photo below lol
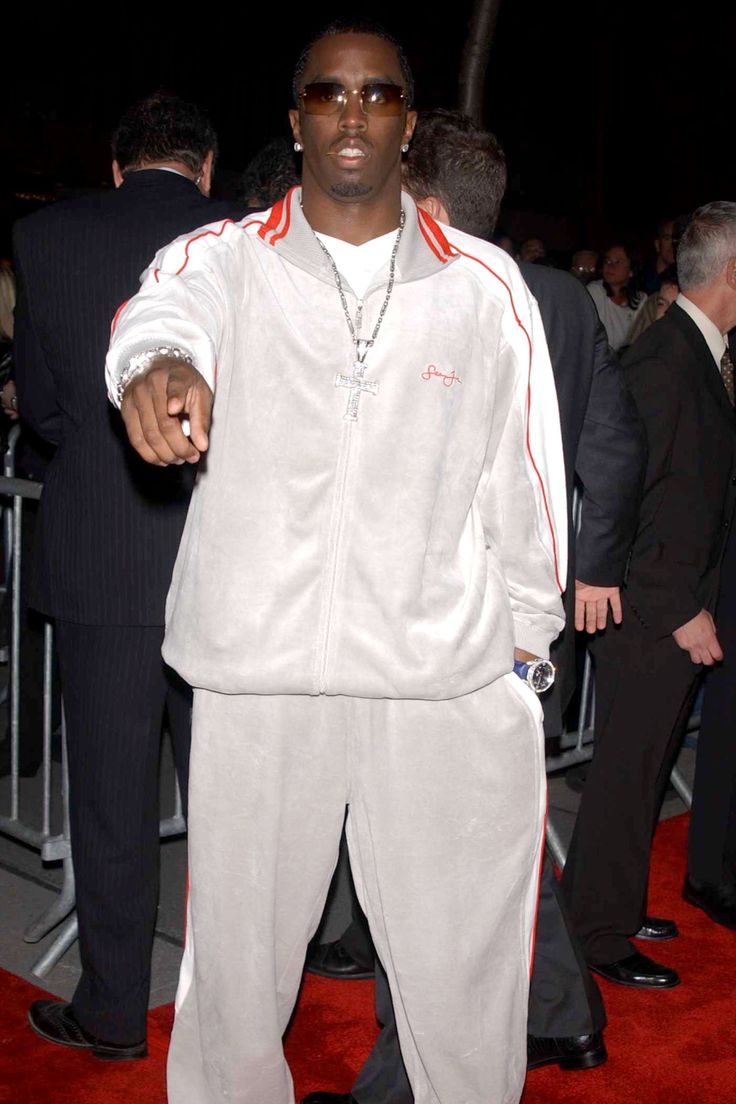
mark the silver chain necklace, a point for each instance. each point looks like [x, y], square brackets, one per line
[357, 383]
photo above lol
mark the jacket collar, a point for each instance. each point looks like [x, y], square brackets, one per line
[158, 179]
[423, 250]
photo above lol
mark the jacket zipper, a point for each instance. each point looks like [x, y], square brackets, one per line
[336, 529]
[335, 542]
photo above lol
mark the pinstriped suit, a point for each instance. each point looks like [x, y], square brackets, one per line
[109, 529]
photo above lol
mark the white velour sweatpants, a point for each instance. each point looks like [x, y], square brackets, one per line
[445, 823]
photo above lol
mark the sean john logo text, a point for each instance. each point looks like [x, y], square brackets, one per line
[447, 381]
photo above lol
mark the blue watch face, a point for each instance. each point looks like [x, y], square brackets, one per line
[541, 676]
[538, 675]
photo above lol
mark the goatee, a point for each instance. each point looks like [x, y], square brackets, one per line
[349, 189]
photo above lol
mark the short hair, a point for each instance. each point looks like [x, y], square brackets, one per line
[269, 175]
[460, 163]
[163, 127]
[706, 244]
[355, 26]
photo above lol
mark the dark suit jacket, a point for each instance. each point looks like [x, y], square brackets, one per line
[603, 445]
[689, 489]
[110, 524]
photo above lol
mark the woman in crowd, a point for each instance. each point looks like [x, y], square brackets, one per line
[616, 296]
[657, 305]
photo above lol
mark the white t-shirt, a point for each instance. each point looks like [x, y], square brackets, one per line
[617, 320]
[358, 264]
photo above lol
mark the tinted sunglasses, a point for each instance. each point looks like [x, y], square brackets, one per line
[376, 98]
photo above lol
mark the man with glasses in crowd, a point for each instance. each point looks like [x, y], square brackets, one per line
[377, 538]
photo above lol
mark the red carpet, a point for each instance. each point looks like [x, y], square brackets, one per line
[674, 1047]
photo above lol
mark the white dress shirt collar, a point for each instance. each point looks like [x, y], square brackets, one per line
[715, 340]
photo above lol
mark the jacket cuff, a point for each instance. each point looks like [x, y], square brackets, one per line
[530, 638]
[661, 622]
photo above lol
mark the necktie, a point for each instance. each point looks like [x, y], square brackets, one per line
[727, 374]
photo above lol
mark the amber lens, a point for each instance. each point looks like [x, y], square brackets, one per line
[322, 97]
[382, 99]
[328, 97]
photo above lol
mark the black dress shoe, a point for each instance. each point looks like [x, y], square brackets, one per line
[574, 1053]
[717, 902]
[655, 928]
[639, 971]
[329, 1098]
[55, 1021]
[333, 960]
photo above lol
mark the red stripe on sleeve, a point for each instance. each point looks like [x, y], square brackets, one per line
[524, 330]
[204, 234]
[117, 314]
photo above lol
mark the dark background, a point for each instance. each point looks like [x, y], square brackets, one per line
[612, 116]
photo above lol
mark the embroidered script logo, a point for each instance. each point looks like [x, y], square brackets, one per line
[447, 381]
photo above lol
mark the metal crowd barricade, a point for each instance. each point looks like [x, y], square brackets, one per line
[577, 745]
[52, 845]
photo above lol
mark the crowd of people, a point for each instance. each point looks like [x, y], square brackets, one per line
[628, 294]
[374, 584]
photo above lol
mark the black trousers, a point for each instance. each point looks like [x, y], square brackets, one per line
[712, 840]
[116, 688]
[644, 693]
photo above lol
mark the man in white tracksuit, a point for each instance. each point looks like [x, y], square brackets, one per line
[377, 526]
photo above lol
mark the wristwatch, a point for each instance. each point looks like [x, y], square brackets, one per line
[538, 675]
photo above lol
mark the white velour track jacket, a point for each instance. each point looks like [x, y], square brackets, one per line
[403, 554]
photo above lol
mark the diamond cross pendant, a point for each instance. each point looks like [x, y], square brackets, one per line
[357, 385]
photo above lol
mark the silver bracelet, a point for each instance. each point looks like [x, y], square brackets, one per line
[141, 361]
